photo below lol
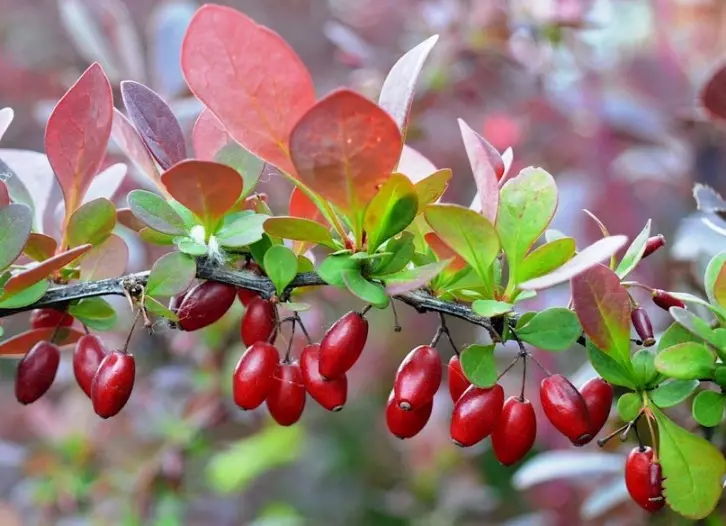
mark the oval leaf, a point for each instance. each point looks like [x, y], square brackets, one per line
[673, 392]
[32, 275]
[129, 141]
[707, 408]
[390, 211]
[686, 361]
[247, 165]
[107, 260]
[477, 362]
[490, 308]
[156, 213]
[554, 329]
[546, 258]
[16, 220]
[430, 189]
[299, 229]
[242, 230]
[171, 274]
[368, 291]
[91, 223]
[94, 313]
[280, 266]
[40, 247]
[612, 371]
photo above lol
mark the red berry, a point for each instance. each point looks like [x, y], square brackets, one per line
[458, 382]
[331, 394]
[653, 244]
[515, 432]
[565, 409]
[642, 325]
[254, 375]
[406, 424]
[50, 319]
[644, 479]
[246, 295]
[598, 396]
[112, 385]
[36, 372]
[286, 400]
[666, 300]
[205, 304]
[259, 321]
[342, 345]
[418, 378]
[87, 356]
[476, 414]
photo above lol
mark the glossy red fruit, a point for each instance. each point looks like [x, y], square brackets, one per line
[565, 409]
[286, 400]
[50, 319]
[458, 382]
[205, 304]
[246, 295]
[342, 345]
[87, 356]
[644, 479]
[418, 378]
[254, 375]
[598, 396]
[642, 325]
[476, 414]
[259, 321]
[515, 432]
[331, 394]
[36, 372]
[666, 300]
[406, 424]
[113, 383]
[653, 244]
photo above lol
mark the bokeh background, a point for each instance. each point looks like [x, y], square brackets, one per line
[601, 93]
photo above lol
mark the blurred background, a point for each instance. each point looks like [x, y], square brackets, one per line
[601, 93]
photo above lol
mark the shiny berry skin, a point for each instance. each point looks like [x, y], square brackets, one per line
[418, 378]
[642, 325]
[644, 479]
[286, 400]
[653, 244]
[246, 295]
[259, 321]
[458, 382]
[254, 375]
[342, 345]
[515, 432]
[406, 424]
[113, 383]
[36, 372]
[598, 396]
[666, 300]
[565, 409]
[87, 356]
[330, 394]
[476, 414]
[50, 319]
[205, 304]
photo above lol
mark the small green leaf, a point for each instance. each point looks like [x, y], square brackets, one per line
[490, 308]
[715, 280]
[525, 318]
[401, 250]
[479, 366]
[248, 165]
[304, 264]
[156, 213]
[610, 370]
[634, 253]
[391, 210]
[413, 278]
[156, 307]
[673, 392]
[191, 247]
[299, 229]
[155, 237]
[546, 258]
[171, 274]
[91, 223]
[686, 361]
[643, 363]
[26, 296]
[432, 187]
[259, 248]
[368, 291]
[675, 334]
[281, 266]
[15, 223]
[554, 329]
[243, 230]
[629, 406]
[707, 408]
[332, 268]
[95, 313]
[696, 325]
[719, 375]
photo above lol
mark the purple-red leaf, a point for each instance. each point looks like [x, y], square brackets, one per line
[32, 275]
[129, 140]
[21, 343]
[713, 95]
[488, 168]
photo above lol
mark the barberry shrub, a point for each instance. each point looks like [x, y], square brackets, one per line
[385, 235]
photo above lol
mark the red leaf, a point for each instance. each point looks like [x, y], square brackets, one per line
[344, 148]
[4, 195]
[40, 247]
[443, 252]
[488, 168]
[23, 342]
[713, 95]
[301, 206]
[209, 136]
[107, 260]
[249, 77]
[129, 140]
[30, 276]
[206, 188]
[77, 134]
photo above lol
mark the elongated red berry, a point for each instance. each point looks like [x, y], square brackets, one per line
[458, 382]
[515, 432]
[598, 396]
[50, 319]
[644, 479]
[286, 400]
[87, 356]
[113, 383]
[418, 378]
[36, 372]
[205, 304]
[565, 409]
[476, 414]
[406, 424]
[331, 394]
[259, 321]
[653, 244]
[254, 375]
[342, 345]
[642, 325]
[246, 295]
[666, 300]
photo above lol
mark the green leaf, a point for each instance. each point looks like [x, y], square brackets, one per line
[554, 329]
[546, 258]
[26, 296]
[368, 291]
[243, 230]
[686, 361]
[259, 248]
[673, 392]
[707, 408]
[697, 326]
[610, 370]
[675, 334]
[304, 264]
[248, 165]
[715, 280]
[432, 187]
[525, 318]
[479, 366]
[413, 278]
[719, 375]
[156, 238]
[332, 268]
[95, 313]
[156, 307]
[189, 246]
[91, 223]
[690, 298]
[643, 363]
[401, 250]
[634, 253]
[693, 470]
[171, 274]
[490, 308]
[156, 213]
[299, 229]
[15, 223]
[629, 406]
[391, 210]
[281, 266]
